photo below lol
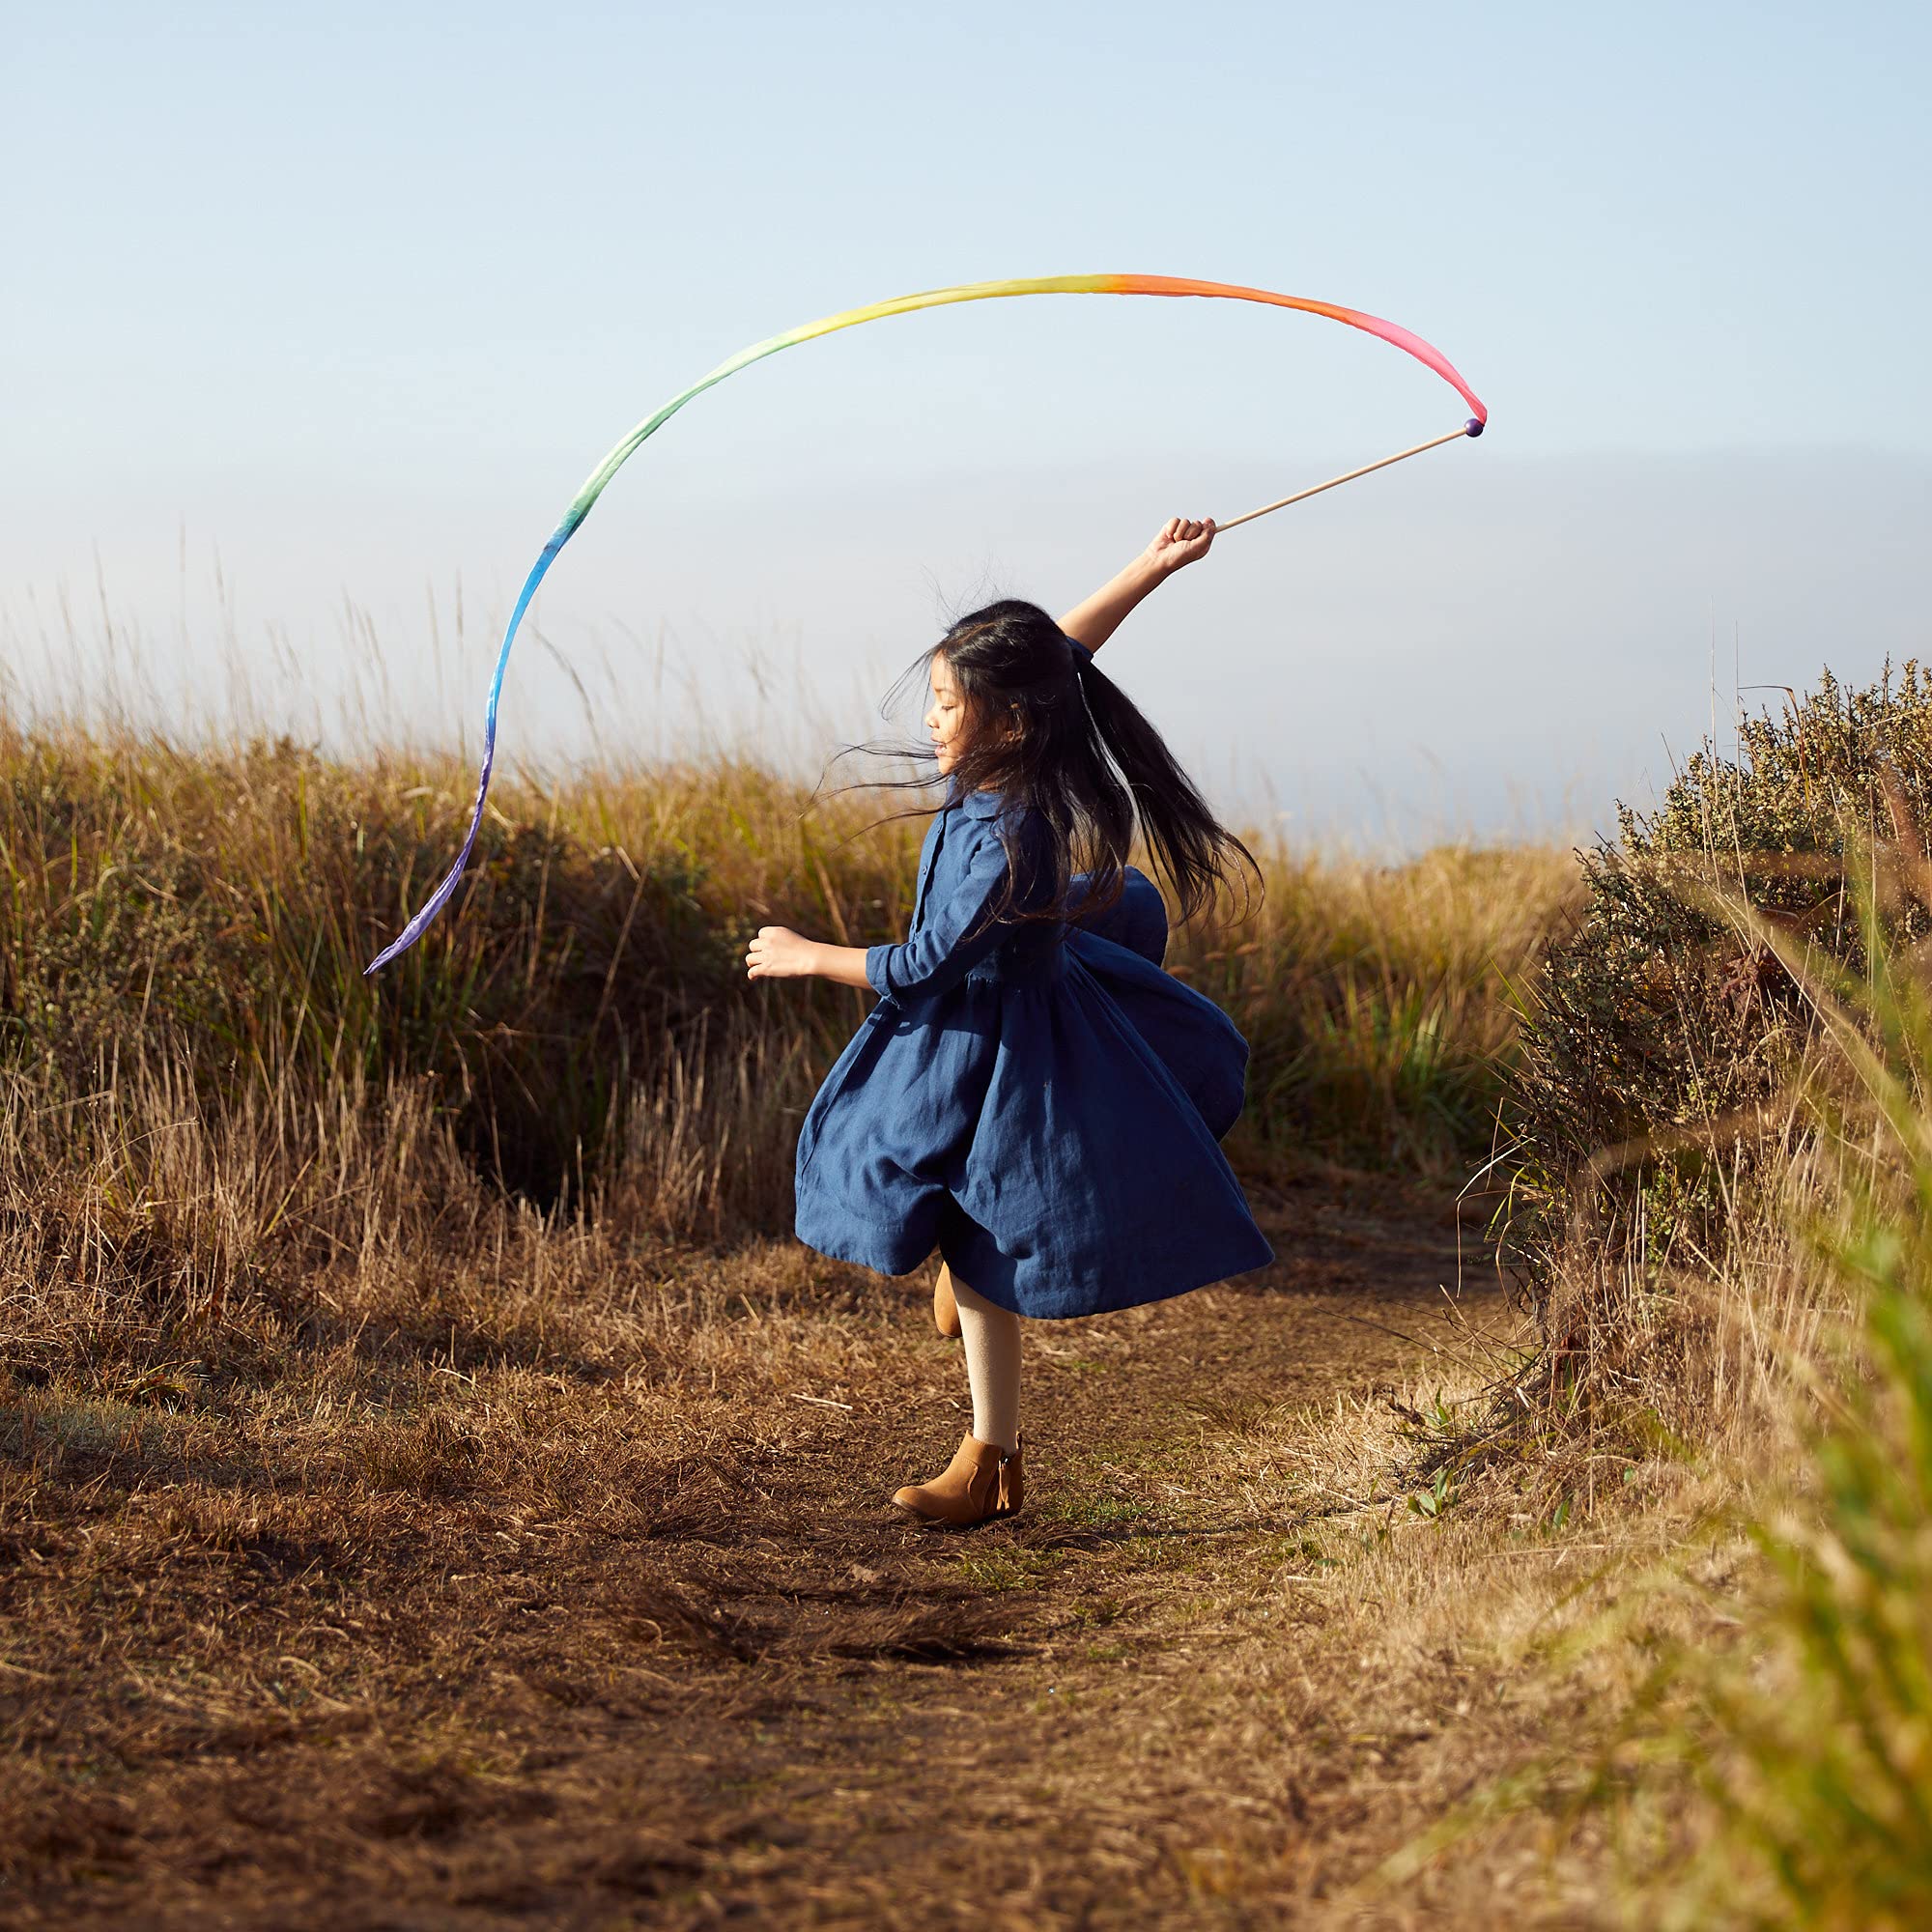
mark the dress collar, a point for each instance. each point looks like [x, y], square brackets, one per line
[976, 803]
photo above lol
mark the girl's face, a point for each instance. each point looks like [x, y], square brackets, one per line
[945, 719]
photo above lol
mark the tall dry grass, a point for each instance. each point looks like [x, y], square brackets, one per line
[215, 1127]
[1809, 1743]
[1378, 998]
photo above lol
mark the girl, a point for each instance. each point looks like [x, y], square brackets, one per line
[1033, 1095]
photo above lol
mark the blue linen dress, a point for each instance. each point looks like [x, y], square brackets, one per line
[1041, 1102]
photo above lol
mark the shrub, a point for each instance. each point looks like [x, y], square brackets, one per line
[1658, 1042]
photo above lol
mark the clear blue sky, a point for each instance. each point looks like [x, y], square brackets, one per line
[359, 295]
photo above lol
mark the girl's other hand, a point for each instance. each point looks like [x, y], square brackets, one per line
[1181, 541]
[778, 953]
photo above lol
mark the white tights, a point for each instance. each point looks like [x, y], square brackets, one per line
[992, 1339]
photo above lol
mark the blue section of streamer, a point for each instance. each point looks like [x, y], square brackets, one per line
[438, 898]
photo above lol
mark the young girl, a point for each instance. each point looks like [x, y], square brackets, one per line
[1033, 1095]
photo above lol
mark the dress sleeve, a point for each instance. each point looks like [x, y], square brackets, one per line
[957, 934]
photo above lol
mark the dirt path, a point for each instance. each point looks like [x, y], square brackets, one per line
[778, 1702]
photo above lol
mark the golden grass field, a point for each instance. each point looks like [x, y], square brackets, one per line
[437, 1490]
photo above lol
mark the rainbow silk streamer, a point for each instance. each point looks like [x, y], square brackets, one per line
[1044, 285]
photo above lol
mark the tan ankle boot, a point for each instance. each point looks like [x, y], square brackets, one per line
[945, 1309]
[979, 1484]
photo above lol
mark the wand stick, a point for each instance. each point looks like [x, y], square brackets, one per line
[1471, 428]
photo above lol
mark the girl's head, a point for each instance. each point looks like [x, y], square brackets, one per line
[1018, 708]
[999, 679]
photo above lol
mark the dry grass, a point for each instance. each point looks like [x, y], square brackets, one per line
[383, 1539]
[429, 1614]
[1741, 1425]
[434, 1489]
[511, 1570]
[1376, 998]
[216, 906]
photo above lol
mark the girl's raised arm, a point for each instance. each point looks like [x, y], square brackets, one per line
[1180, 542]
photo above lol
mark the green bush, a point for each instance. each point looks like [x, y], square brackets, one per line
[1658, 1042]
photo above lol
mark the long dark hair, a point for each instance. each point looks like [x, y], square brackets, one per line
[1047, 727]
